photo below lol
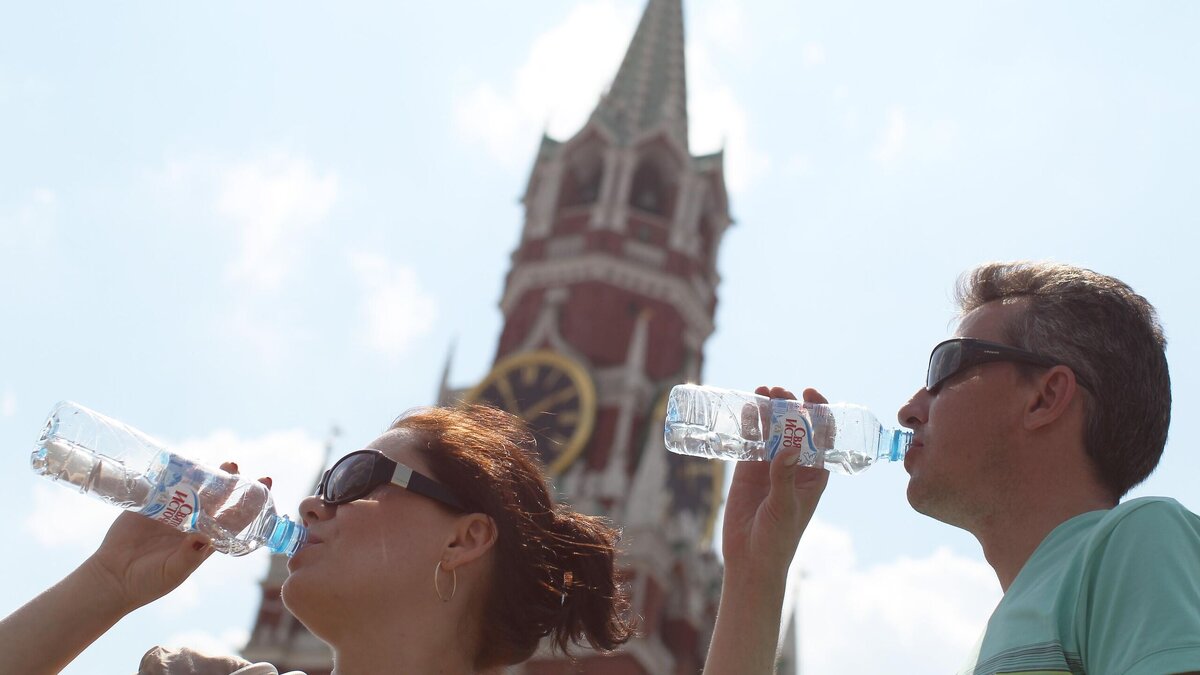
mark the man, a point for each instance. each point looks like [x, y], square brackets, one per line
[1053, 401]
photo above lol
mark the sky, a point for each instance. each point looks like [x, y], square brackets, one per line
[236, 226]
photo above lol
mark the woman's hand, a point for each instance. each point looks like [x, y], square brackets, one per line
[141, 560]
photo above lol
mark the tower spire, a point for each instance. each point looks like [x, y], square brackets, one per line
[650, 89]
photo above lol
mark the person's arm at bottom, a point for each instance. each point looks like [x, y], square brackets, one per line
[768, 507]
[745, 638]
[48, 632]
[138, 562]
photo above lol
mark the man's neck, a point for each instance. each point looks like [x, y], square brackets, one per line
[1011, 537]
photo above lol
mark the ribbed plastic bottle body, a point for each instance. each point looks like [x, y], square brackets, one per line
[122, 466]
[740, 426]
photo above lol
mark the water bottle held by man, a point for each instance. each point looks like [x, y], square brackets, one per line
[739, 426]
[114, 462]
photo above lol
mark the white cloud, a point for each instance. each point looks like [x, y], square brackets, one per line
[812, 55]
[61, 517]
[291, 458]
[275, 202]
[905, 137]
[396, 309]
[918, 614]
[570, 65]
[8, 404]
[272, 203]
[32, 224]
[557, 87]
[723, 22]
[263, 328]
[271, 206]
[893, 138]
[717, 120]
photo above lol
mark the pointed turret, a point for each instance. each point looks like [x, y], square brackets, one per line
[650, 90]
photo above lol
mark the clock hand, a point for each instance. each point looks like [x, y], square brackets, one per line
[550, 402]
[506, 393]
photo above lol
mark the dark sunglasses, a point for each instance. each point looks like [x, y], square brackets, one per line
[357, 474]
[956, 355]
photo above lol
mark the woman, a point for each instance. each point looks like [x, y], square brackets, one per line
[437, 549]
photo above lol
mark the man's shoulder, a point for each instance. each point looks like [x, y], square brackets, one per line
[1144, 531]
[1149, 511]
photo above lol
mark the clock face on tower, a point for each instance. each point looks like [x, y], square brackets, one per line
[552, 393]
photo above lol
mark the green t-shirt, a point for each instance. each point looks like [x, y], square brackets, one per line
[1112, 592]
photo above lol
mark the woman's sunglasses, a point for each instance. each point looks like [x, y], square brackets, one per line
[358, 474]
[956, 355]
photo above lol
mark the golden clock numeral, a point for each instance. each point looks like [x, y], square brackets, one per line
[504, 387]
[529, 375]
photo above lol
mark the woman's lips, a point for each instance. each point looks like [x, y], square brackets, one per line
[312, 541]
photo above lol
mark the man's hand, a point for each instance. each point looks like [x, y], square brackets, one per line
[770, 504]
[768, 508]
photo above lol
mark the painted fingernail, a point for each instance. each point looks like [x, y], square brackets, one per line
[791, 460]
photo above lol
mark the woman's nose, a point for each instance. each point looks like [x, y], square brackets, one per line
[916, 411]
[312, 509]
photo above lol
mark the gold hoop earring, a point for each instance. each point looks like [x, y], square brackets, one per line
[437, 587]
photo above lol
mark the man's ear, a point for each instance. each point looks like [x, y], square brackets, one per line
[1055, 391]
[474, 535]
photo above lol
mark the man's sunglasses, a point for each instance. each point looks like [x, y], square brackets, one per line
[358, 474]
[956, 355]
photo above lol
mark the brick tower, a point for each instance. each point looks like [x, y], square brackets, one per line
[608, 303]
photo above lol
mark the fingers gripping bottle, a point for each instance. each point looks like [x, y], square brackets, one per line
[738, 426]
[126, 468]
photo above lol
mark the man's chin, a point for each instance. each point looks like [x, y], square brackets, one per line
[921, 500]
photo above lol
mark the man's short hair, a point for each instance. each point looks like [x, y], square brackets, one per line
[1112, 339]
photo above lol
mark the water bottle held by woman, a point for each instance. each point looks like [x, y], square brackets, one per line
[118, 464]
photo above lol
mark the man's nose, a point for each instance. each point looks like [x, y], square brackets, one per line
[916, 411]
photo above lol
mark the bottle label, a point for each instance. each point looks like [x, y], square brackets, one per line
[176, 498]
[790, 428]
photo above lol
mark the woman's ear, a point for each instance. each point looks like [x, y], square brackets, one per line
[474, 535]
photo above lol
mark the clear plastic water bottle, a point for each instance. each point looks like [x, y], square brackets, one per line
[126, 468]
[724, 424]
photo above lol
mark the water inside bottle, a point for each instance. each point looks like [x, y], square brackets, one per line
[63, 460]
[700, 441]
